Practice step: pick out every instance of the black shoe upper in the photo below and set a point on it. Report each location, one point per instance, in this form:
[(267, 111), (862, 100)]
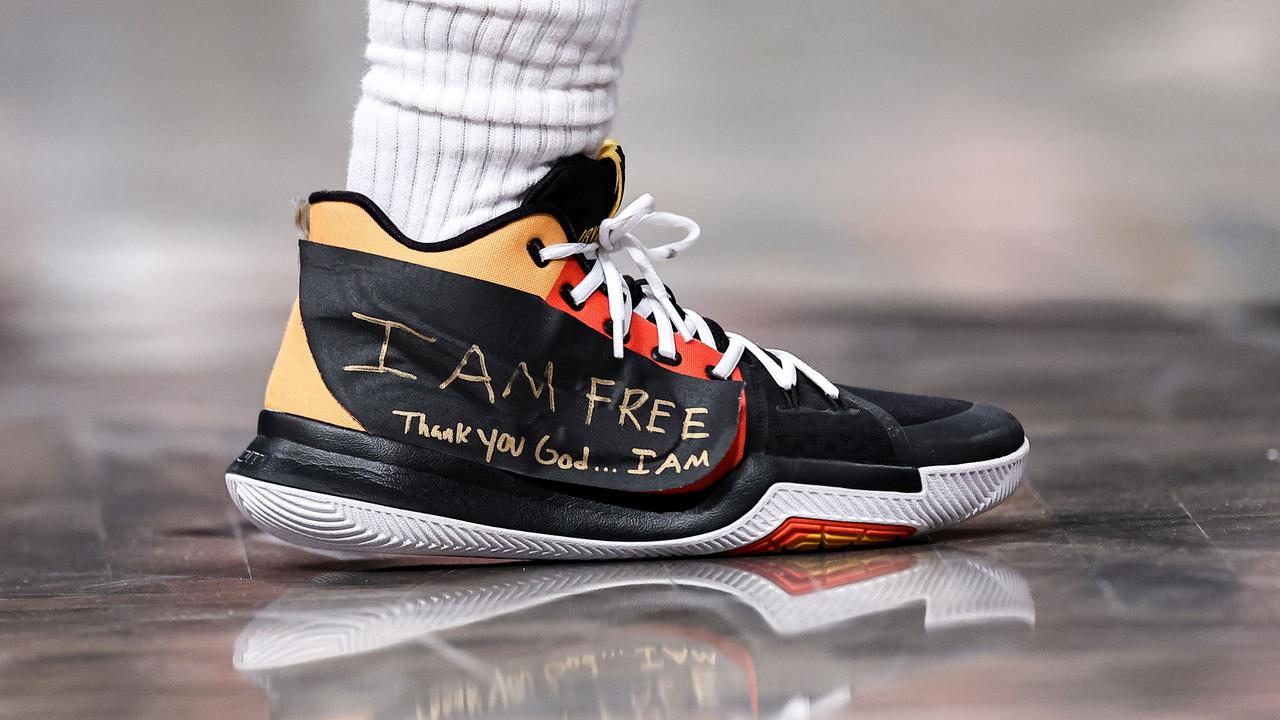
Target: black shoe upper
[(349, 302), (877, 426), (863, 425)]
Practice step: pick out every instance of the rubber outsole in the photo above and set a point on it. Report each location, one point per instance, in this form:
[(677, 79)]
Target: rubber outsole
[(948, 495)]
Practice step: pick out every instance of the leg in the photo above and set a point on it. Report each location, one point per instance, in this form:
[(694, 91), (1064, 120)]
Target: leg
[(467, 103)]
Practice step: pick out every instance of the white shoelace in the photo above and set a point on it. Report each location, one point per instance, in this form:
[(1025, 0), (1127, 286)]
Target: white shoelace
[(617, 234)]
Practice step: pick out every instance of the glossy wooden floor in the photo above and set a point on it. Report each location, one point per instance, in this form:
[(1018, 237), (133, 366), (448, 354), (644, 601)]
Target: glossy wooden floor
[(1136, 573)]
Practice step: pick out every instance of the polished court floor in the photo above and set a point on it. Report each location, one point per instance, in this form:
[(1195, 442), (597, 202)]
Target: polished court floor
[(1135, 574), (976, 151)]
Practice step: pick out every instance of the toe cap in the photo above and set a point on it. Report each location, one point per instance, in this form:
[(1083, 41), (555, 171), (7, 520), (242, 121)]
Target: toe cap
[(983, 432)]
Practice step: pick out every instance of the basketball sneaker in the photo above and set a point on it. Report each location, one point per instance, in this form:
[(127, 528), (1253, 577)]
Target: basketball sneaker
[(510, 392)]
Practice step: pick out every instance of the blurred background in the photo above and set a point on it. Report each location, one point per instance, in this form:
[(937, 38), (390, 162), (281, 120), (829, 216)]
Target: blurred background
[(1069, 208), (860, 155)]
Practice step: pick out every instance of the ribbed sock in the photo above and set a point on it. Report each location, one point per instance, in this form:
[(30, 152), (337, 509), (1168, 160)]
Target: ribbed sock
[(467, 103)]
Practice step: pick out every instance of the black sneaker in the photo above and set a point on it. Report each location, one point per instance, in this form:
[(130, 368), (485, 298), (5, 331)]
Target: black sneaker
[(509, 393)]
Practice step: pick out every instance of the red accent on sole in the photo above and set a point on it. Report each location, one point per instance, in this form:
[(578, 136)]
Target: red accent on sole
[(804, 574), (808, 535)]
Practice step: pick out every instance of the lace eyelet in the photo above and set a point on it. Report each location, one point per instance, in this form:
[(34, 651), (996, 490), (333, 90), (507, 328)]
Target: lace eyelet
[(658, 357), (711, 373), (534, 246), (566, 294), (608, 330)]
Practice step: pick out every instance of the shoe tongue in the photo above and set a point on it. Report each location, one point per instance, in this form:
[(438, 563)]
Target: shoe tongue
[(585, 189)]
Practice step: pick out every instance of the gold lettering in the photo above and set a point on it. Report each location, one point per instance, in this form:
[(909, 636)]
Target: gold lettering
[(669, 463), (483, 377), (509, 444), (488, 442), (550, 456), (626, 409), (455, 434), (533, 386), (699, 460), (500, 442), (387, 327), (463, 432), (689, 422), (537, 452), (655, 413), (641, 454), (408, 418), (593, 398)]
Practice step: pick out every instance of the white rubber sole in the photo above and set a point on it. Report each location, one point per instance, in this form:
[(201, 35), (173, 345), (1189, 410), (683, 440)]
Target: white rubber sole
[(948, 495)]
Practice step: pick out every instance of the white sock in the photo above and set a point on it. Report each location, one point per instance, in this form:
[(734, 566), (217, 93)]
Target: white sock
[(467, 103)]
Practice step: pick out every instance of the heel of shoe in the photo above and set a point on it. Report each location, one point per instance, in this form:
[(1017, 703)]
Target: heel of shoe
[(295, 385)]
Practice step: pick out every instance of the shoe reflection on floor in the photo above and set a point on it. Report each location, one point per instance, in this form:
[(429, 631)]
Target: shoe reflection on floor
[(780, 637)]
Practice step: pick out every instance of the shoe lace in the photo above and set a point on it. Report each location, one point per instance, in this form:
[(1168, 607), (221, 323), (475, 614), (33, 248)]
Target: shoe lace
[(617, 234)]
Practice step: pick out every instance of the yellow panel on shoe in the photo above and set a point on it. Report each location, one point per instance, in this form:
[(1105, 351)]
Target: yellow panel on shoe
[(501, 257), (295, 386)]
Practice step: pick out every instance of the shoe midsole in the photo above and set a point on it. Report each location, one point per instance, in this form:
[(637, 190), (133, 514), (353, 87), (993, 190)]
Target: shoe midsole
[(310, 455)]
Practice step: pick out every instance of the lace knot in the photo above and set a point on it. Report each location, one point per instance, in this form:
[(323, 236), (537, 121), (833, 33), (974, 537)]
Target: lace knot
[(617, 234)]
